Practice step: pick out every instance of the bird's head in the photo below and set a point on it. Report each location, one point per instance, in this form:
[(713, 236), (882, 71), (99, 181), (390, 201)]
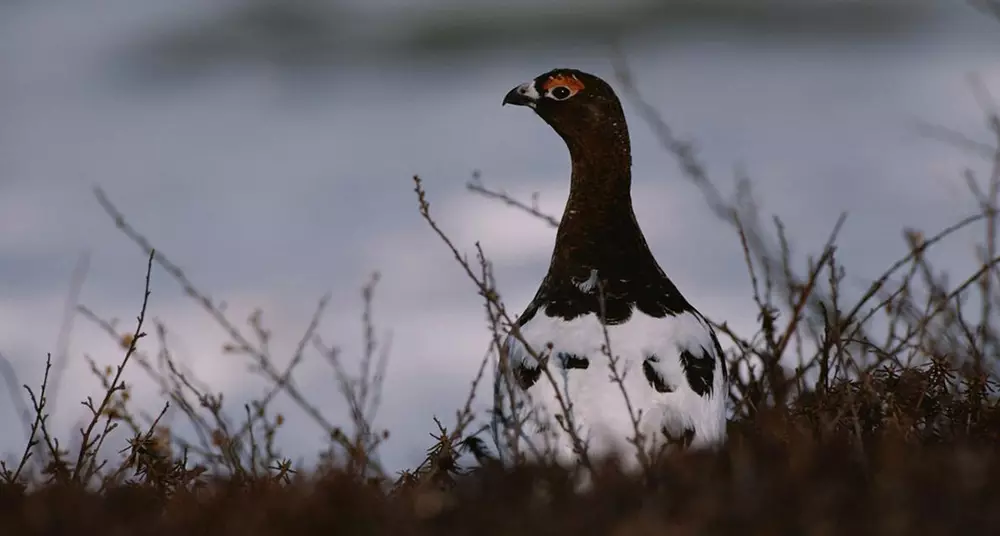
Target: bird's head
[(579, 106)]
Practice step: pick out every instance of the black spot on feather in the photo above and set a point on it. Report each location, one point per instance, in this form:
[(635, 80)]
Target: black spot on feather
[(573, 361), (526, 376), (653, 377), (699, 369)]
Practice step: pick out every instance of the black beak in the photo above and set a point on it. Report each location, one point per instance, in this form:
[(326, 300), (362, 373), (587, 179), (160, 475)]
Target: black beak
[(522, 95)]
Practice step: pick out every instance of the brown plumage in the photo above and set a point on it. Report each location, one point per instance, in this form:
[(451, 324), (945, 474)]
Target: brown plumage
[(598, 230)]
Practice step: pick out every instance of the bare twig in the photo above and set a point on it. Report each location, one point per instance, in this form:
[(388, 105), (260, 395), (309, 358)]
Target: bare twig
[(87, 442)]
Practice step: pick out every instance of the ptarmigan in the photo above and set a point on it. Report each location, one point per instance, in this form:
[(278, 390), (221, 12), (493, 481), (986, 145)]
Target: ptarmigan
[(674, 368)]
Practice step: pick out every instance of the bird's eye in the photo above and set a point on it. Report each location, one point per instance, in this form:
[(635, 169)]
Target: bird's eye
[(560, 93)]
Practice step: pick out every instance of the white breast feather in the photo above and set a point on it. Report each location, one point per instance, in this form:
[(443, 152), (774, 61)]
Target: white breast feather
[(599, 408)]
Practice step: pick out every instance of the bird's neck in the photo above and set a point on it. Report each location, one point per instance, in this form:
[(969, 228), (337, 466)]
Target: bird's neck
[(601, 179), (598, 228), (600, 196)]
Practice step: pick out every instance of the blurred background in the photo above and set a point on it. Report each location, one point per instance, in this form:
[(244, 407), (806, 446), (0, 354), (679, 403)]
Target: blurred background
[(267, 147)]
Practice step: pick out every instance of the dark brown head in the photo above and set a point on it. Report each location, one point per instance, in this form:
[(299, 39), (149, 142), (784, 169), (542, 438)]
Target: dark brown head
[(581, 107)]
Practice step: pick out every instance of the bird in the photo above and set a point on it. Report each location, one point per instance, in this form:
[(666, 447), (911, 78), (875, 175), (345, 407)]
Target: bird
[(604, 297)]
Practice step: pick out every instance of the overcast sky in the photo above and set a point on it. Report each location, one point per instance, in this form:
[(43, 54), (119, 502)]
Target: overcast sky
[(270, 189)]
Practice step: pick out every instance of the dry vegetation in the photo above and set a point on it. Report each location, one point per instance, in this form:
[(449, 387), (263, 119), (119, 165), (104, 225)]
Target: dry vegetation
[(877, 414)]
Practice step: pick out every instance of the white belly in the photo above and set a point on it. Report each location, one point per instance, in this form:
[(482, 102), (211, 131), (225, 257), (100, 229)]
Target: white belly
[(599, 407)]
